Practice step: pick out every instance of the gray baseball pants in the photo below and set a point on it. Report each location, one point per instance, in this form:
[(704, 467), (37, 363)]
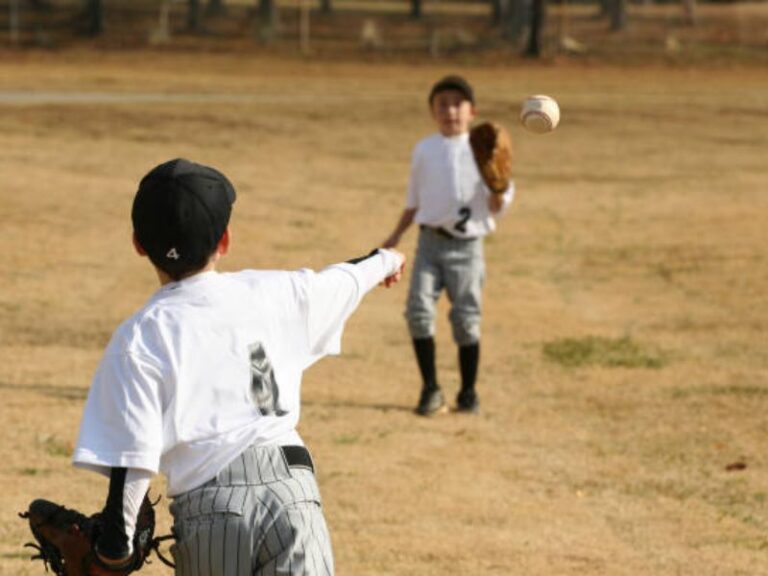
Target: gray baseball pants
[(456, 265), (260, 516)]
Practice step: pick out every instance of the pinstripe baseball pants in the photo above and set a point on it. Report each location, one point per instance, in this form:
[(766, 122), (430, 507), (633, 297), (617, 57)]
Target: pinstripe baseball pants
[(260, 516)]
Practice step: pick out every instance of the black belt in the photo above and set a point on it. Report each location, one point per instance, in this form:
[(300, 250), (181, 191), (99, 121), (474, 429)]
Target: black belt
[(443, 232), (439, 231), (298, 457)]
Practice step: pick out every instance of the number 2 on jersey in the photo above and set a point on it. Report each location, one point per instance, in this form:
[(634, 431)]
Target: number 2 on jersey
[(461, 225)]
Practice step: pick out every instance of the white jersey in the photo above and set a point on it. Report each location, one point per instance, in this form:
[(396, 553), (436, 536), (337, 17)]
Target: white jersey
[(446, 188), (212, 364)]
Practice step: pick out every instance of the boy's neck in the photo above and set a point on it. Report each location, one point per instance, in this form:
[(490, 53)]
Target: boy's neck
[(460, 134), (166, 279)]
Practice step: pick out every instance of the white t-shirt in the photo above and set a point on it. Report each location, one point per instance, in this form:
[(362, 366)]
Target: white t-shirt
[(213, 364), (446, 188)]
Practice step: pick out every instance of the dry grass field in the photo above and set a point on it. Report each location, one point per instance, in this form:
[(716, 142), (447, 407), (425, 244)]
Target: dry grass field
[(624, 377)]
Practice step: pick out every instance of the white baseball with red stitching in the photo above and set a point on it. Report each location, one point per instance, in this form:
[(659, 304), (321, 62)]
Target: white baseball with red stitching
[(540, 114)]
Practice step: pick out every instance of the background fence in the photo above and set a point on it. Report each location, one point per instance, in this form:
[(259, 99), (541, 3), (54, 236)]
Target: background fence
[(605, 29)]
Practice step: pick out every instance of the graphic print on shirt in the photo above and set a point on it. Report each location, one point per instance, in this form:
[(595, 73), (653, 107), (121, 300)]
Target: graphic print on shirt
[(465, 213), (264, 392)]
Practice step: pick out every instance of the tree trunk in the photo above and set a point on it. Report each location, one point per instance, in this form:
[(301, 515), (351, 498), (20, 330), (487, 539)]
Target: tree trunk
[(496, 11), (268, 25), (215, 7), (618, 15), (416, 9), (516, 18), (193, 15), (689, 12), (538, 18), (326, 6), (267, 9), (94, 17)]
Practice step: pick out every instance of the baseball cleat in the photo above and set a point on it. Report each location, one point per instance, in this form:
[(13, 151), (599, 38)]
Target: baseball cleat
[(431, 402), (467, 402)]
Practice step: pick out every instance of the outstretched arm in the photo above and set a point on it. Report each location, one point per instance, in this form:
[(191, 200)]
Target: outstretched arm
[(406, 219), (335, 292)]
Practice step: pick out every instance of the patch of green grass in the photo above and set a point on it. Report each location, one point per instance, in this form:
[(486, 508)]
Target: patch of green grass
[(599, 351), (745, 391), (346, 439), (55, 447)]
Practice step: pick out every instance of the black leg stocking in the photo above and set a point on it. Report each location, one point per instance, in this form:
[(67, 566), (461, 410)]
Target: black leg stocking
[(425, 356), (469, 359)]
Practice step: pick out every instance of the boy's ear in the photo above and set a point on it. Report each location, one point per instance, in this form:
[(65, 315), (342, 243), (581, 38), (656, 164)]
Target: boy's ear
[(136, 246), (223, 246)]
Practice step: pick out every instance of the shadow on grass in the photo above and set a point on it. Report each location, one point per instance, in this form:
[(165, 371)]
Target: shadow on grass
[(352, 405), (67, 392)]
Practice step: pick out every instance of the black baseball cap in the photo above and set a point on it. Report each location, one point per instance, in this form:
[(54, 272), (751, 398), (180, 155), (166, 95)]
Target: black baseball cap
[(180, 213), (453, 82)]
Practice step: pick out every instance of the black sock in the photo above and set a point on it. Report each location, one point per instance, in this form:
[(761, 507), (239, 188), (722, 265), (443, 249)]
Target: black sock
[(469, 359), (425, 356)]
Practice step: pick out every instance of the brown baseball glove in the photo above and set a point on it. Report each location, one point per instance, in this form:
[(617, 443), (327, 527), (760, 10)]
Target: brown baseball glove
[(492, 148), (65, 540)]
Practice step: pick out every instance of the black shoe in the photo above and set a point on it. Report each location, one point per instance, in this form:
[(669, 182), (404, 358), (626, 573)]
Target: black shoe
[(467, 402), (431, 402)]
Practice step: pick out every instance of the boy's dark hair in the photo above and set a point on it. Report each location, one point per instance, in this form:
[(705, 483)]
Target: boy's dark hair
[(180, 213), (452, 82)]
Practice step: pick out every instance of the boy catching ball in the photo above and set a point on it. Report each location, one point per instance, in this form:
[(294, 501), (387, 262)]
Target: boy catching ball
[(454, 210)]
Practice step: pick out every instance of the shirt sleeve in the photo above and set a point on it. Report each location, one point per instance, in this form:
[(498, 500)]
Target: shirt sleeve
[(508, 197), (414, 183), (334, 293), (127, 488), (122, 420)]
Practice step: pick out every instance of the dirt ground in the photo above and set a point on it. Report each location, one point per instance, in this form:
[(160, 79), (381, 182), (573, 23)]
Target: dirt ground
[(639, 224)]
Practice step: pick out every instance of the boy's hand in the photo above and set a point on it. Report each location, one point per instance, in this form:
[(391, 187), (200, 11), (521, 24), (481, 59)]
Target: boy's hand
[(393, 279), (495, 203)]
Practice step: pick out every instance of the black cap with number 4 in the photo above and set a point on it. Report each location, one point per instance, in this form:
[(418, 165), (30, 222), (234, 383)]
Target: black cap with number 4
[(180, 213)]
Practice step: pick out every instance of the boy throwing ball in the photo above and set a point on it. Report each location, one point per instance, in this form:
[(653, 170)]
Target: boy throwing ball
[(203, 384)]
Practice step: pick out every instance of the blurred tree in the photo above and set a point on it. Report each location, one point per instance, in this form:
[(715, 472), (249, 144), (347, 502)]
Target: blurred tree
[(193, 15), (416, 9), (269, 20), (215, 7), (515, 18), (267, 8), (689, 12), (496, 11), (618, 14), (538, 18), (326, 6), (94, 17)]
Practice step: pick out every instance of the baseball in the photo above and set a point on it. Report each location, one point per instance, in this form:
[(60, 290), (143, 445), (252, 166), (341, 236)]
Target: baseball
[(540, 114)]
